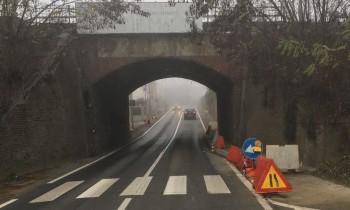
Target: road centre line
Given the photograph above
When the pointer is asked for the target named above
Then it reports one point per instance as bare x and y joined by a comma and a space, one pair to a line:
164, 150
109, 154
7, 203
124, 204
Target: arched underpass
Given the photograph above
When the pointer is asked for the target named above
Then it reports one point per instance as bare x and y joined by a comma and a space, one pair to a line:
112, 91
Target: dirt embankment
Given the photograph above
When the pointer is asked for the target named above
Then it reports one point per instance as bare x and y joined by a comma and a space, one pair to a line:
336, 170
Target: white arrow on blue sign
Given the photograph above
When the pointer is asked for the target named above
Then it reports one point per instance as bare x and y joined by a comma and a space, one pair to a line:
248, 148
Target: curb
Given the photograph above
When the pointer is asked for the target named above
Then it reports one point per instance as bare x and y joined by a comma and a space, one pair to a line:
266, 203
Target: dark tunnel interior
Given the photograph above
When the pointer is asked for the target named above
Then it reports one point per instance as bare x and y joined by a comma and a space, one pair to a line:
112, 102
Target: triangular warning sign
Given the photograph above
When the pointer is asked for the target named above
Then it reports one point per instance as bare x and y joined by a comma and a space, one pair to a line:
272, 180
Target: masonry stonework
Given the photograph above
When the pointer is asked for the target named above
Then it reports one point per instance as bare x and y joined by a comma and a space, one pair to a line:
49, 126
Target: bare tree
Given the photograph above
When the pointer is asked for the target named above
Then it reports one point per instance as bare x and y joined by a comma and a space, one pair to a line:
300, 45
29, 30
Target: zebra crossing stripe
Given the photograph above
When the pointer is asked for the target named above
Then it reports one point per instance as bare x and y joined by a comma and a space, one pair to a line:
8, 203
57, 192
137, 187
215, 184
177, 185
99, 188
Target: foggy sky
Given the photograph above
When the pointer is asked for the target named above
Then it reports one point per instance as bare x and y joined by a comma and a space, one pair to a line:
176, 91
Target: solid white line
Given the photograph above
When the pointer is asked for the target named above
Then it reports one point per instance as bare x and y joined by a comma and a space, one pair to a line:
57, 192
200, 119
99, 188
261, 200
140, 184
7, 203
289, 206
138, 138
215, 184
109, 154
177, 185
137, 187
124, 204
162, 153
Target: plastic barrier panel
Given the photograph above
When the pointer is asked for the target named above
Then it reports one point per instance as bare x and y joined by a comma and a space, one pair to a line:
286, 157
244, 163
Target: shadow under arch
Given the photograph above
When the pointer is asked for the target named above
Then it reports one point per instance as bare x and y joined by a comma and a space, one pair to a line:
112, 91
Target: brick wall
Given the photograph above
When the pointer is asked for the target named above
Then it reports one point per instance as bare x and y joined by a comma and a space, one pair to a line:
266, 123
49, 126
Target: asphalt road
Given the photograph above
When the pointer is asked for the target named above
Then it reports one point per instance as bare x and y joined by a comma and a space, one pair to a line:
168, 168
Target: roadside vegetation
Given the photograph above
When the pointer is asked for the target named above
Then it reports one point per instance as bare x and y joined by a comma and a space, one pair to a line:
300, 47
30, 29
297, 49
336, 170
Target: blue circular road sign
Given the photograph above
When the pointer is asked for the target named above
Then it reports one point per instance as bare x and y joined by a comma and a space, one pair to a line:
248, 148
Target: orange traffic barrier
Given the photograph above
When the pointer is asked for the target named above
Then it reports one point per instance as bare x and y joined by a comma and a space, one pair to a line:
220, 143
245, 163
234, 155
250, 172
268, 178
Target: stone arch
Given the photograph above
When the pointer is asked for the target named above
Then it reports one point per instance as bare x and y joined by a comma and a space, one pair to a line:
112, 92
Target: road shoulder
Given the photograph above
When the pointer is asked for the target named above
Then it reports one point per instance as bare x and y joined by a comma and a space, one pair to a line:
24, 183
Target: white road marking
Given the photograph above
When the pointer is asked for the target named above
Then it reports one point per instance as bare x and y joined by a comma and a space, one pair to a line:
109, 154
7, 203
124, 204
289, 206
263, 202
99, 188
162, 153
140, 184
200, 119
137, 187
177, 185
215, 184
57, 192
